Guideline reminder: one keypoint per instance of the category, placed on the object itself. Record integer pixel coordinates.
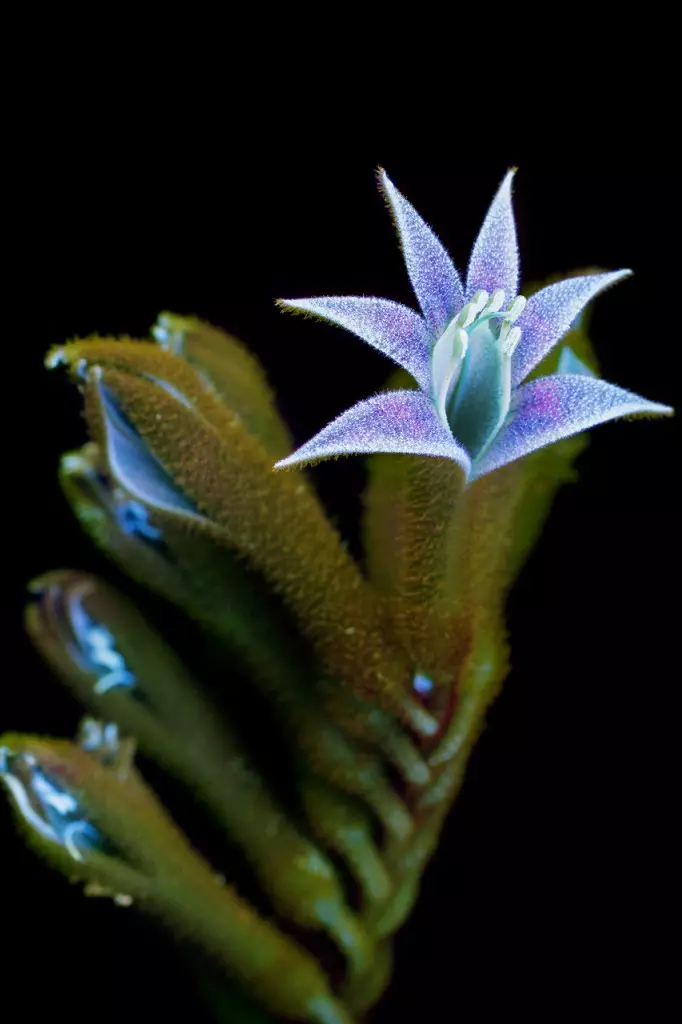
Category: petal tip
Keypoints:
(616, 275)
(303, 457)
(383, 180)
(287, 462)
(658, 409)
(388, 192)
(494, 260)
(505, 188)
(300, 307)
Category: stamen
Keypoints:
(511, 340)
(517, 308)
(496, 301)
(446, 361)
(466, 315)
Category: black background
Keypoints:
(554, 881)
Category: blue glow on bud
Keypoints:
(422, 684)
(98, 646)
(133, 519)
(46, 806)
(101, 738)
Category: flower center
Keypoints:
(471, 369)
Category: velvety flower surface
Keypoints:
(469, 352)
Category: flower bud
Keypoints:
(232, 370)
(121, 667)
(174, 446)
(111, 832)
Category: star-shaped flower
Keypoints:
(469, 352)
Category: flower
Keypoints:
(469, 352)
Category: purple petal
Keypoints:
(394, 329)
(434, 278)
(550, 313)
(549, 408)
(394, 421)
(494, 259)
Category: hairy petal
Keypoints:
(433, 275)
(550, 313)
(388, 326)
(494, 259)
(393, 421)
(549, 408)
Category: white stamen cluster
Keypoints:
(451, 347)
(483, 306)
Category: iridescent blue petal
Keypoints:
(549, 314)
(46, 805)
(394, 329)
(134, 466)
(394, 421)
(434, 278)
(549, 408)
(494, 259)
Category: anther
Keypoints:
(466, 315)
(517, 308)
(496, 301)
(511, 340)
